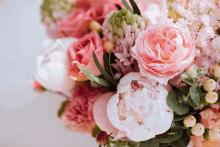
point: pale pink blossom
(100, 114)
(163, 52)
(139, 110)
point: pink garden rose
(163, 52)
(77, 23)
(139, 110)
(81, 53)
(78, 113)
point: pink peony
(139, 110)
(199, 141)
(78, 113)
(81, 53)
(77, 24)
(100, 114)
(163, 52)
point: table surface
(28, 119)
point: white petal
(53, 76)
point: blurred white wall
(27, 119)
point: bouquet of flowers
(141, 73)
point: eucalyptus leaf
(170, 136)
(196, 94)
(181, 142)
(150, 143)
(126, 5)
(93, 78)
(176, 104)
(135, 7)
(103, 71)
(181, 117)
(62, 107)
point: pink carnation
(78, 113)
(210, 117)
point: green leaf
(96, 131)
(189, 133)
(196, 94)
(132, 144)
(118, 7)
(103, 71)
(100, 145)
(150, 143)
(126, 5)
(183, 141)
(93, 78)
(170, 136)
(135, 7)
(177, 105)
(181, 117)
(62, 107)
(106, 62)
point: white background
(27, 119)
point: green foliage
(62, 107)
(176, 104)
(181, 117)
(196, 94)
(150, 143)
(106, 75)
(183, 141)
(96, 131)
(135, 7)
(93, 78)
(171, 135)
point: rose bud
(214, 133)
(37, 86)
(211, 97)
(209, 85)
(95, 26)
(189, 121)
(108, 46)
(198, 129)
(102, 138)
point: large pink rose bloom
(81, 53)
(163, 52)
(139, 110)
(77, 23)
(78, 113)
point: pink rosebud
(37, 86)
(102, 138)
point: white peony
(51, 67)
(139, 110)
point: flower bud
(209, 85)
(216, 71)
(189, 121)
(211, 97)
(108, 46)
(95, 26)
(198, 129)
(37, 86)
(102, 138)
(214, 133)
